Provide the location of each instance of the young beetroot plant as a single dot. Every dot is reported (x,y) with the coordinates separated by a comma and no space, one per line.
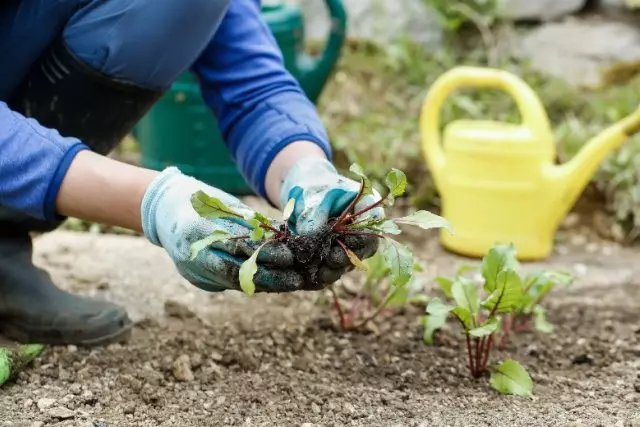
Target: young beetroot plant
(491,308)
(309,251)
(377,295)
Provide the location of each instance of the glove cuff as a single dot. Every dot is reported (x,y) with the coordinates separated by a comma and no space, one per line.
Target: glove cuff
(151,200)
(309,166)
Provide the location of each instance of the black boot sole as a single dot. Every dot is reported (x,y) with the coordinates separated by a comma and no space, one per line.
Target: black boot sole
(17,333)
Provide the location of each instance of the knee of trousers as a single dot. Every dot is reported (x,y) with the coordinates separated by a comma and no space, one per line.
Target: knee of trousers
(145,42)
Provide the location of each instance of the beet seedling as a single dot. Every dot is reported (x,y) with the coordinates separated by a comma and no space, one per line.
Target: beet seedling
(377,295)
(480,315)
(310,251)
(529,312)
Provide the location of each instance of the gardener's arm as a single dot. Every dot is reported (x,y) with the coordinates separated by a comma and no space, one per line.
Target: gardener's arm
(44,175)
(266,119)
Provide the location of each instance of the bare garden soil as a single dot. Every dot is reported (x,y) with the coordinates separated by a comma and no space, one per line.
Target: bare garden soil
(278,360)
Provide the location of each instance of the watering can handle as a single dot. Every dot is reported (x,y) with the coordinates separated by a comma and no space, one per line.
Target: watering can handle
(531,109)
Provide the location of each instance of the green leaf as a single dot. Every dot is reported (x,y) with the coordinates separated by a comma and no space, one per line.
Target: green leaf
(487,328)
(437,313)
(507,294)
(396,182)
(257,232)
(288,210)
(210,207)
(400,261)
(262,219)
(377,268)
(465,294)
(465,317)
(540,320)
(464,268)
(425,220)
(248,269)
(197,246)
(510,377)
(498,258)
(445,283)
(367,189)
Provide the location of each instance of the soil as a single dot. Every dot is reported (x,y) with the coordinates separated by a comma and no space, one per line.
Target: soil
(198,359)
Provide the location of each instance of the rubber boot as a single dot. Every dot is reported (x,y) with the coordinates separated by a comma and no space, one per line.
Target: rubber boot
(34,310)
(63,93)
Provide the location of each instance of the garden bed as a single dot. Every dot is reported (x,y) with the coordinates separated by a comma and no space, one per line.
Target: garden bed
(279,360)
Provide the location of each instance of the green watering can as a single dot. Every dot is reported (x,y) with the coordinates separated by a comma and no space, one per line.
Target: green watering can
(180,129)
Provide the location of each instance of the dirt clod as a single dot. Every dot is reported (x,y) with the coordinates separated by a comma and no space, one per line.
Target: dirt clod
(60,412)
(182,368)
(45,403)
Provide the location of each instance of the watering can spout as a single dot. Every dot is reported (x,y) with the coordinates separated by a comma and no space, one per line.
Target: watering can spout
(572,177)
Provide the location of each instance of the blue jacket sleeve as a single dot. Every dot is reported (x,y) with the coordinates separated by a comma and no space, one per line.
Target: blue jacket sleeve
(33,163)
(259,106)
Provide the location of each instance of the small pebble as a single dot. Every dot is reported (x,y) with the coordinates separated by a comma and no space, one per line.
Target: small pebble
(182,368)
(60,412)
(37,424)
(45,403)
(27,403)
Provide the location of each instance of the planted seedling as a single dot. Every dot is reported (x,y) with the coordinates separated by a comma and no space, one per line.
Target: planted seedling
(311,250)
(377,295)
(489,308)
(529,312)
(480,314)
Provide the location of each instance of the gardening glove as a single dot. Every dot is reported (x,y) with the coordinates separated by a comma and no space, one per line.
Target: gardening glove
(170,221)
(320,194)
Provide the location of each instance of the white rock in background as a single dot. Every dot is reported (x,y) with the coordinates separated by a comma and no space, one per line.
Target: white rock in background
(578,50)
(381,21)
(543,10)
(620,4)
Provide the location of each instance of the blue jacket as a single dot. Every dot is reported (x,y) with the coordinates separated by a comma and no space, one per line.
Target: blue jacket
(259,106)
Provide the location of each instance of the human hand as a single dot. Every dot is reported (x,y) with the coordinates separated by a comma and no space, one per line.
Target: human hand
(320,193)
(170,221)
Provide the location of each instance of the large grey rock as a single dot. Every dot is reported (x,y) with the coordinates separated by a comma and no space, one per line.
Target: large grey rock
(381,21)
(579,50)
(542,10)
(620,4)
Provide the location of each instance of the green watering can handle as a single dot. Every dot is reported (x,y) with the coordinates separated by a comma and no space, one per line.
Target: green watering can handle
(322,67)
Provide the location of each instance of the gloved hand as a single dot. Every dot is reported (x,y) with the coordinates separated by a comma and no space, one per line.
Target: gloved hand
(320,193)
(170,221)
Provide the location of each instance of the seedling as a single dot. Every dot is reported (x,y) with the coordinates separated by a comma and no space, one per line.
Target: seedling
(480,315)
(377,295)
(309,251)
(529,312)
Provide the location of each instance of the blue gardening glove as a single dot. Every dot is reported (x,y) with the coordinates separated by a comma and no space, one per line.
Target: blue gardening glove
(320,194)
(170,221)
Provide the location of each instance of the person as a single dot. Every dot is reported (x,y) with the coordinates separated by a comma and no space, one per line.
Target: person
(76,76)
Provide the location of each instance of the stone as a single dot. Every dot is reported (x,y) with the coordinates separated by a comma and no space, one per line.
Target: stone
(61,413)
(182,368)
(578,51)
(540,10)
(45,403)
(370,20)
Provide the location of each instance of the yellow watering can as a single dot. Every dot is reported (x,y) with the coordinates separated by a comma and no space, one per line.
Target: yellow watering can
(498,181)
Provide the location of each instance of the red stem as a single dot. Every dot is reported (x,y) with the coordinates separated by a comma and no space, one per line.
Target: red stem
(487,353)
(479,345)
(469,353)
(344,213)
(367,209)
(338,306)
